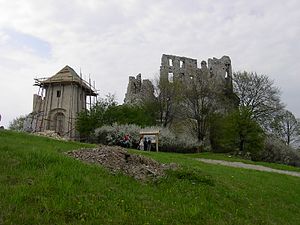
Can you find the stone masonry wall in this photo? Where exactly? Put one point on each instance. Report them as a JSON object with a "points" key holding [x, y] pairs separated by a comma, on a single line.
{"points": [[183, 68], [138, 90]]}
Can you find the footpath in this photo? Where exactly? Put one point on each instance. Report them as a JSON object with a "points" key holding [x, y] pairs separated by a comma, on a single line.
{"points": [[249, 166]]}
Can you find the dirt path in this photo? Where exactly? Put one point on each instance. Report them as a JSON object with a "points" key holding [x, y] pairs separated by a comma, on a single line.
{"points": [[249, 166]]}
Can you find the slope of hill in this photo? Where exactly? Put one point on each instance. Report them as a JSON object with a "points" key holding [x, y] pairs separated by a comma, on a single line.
{"points": [[40, 185]]}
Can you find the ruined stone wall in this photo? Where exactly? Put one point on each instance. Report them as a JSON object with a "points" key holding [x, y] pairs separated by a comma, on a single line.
{"points": [[181, 68], [33, 122], [38, 103], [138, 90], [177, 67], [221, 69]]}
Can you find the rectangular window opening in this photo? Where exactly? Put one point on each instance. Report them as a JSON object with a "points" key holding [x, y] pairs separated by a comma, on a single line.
{"points": [[226, 75], [181, 64], [170, 77], [170, 62], [58, 94]]}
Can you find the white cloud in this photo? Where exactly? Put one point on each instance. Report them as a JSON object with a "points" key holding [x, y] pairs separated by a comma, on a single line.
{"points": [[114, 39]]}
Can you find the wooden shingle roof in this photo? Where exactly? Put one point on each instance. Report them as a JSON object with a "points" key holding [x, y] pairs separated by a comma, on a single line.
{"points": [[67, 76]]}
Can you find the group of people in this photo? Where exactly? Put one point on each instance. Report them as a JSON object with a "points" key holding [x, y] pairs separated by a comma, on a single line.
{"points": [[145, 144]]}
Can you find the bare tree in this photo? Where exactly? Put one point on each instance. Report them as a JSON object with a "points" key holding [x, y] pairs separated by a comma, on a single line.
{"points": [[285, 126], [168, 94], [200, 100], [258, 94]]}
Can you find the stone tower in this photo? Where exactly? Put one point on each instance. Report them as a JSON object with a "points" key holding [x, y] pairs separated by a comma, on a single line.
{"points": [[62, 97]]}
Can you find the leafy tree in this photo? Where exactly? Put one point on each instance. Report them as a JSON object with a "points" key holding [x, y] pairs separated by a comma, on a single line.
{"points": [[128, 114], [285, 126], [258, 94], [18, 123], [107, 112], [239, 132], [90, 119], [168, 98]]}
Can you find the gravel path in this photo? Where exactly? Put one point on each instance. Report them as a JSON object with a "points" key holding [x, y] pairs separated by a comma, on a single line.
{"points": [[249, 166]]}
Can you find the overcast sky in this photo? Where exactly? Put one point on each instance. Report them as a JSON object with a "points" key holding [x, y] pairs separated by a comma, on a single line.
{"points": [[111, 40]]}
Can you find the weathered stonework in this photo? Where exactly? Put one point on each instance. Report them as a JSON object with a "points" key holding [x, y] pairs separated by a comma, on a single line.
{"points": [[176, 67], [138, 90], [185, 69], [221, 69]]}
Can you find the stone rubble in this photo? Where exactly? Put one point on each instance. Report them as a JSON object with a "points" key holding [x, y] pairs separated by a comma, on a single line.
{"points": [[50, 134], [118, 159]]}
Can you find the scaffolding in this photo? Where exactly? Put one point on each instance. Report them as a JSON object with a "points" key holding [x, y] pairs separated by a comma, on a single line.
{"points": [[78, 93]]}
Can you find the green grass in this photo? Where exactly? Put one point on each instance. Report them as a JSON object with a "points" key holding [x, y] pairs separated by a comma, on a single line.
{"points": [[41, 185]]}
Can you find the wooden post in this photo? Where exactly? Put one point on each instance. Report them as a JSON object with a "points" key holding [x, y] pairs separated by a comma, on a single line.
{"points": [[156, 142], [156, 133]]}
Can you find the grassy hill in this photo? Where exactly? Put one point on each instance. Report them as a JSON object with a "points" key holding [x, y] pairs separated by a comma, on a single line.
{"points": [[41, 185]]}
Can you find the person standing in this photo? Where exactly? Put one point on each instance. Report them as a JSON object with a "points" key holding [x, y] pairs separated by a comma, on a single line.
{"points": [[141, 144], [149, 144], [145, 144]]}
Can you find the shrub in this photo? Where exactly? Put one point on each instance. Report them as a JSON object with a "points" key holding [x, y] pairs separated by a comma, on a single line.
{"points": [[183, 143], [18, 123], [277, 151], [168, 142], [112, 135]]}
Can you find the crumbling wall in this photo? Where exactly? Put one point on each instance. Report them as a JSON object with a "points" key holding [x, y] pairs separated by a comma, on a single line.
{"points": [[38, 103], [221, 69], [33, 122], [139, 90], [177, 67], [182, 68]]}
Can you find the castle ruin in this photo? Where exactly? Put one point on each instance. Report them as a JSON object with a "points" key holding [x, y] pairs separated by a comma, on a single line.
{"points": [[176, 67], [138, 90]]}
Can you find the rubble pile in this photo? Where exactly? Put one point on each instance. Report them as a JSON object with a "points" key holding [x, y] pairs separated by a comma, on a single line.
{"points": [[118, 159], [49, 133]]}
